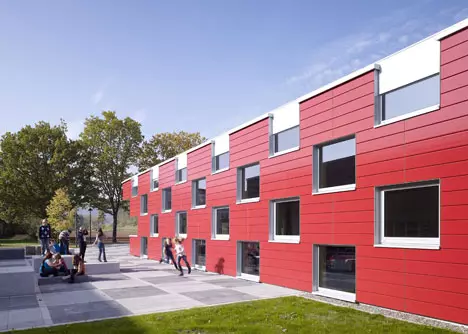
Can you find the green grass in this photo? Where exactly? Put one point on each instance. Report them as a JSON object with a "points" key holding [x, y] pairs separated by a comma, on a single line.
{"points": [[18, 241], [282, 315]]}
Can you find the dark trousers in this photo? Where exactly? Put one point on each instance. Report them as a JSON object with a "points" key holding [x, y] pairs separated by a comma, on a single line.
{"points": [[102, 251], [82, 250], [49, 271], [44, 245], [64, 247], [170, 257], [179, 259], [73, 273]]}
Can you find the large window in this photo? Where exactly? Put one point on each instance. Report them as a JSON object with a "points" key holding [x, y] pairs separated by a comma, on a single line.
{"points": [[284, 220], [167, 199], [154, 225], [248, 260], [284, 141], [199, 193], [335, 166], [181, 224], [408, 215], [144, 204], [335, 271], [248, 183], [220, 229], [135, 186], [414, 97]]}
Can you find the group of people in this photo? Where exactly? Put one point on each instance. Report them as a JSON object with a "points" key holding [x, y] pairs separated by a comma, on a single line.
{"points": [[180, 253], [55, 265]]}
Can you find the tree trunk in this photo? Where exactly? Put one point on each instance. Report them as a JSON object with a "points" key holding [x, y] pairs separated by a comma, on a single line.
{"points": [[114, 228]]}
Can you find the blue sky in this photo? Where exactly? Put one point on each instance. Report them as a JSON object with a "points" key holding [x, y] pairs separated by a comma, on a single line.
{"points": [[191, 65]]}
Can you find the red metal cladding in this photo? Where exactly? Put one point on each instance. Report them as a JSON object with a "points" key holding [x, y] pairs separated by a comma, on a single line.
{"points": [[431, 146]]}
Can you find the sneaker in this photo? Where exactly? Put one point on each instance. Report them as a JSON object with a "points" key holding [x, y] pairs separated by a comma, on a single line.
{"points": [[189, 270], [181, 274]]}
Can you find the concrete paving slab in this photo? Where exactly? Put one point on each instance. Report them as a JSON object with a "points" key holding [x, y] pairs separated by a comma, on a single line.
{"points": [[266, 291], [3, 320], [209, 277], [88, 311], [161, 303], [232, 283], [25, 318], [134, 292], [21, 302], [130, 283], [219, 296], [74, 297], [148, 274], [167, 279], [188, 287], [65, 286]]}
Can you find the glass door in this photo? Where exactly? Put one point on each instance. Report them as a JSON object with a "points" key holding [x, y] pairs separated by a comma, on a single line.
{"points": [[144, 247], [199, 254], [248, 260]]}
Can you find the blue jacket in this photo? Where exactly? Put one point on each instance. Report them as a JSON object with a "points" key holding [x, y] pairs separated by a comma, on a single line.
{"points": [[44, 231]]}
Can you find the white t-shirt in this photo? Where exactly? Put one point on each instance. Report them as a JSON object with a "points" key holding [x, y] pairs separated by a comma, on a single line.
{"points": [[179, 248]]}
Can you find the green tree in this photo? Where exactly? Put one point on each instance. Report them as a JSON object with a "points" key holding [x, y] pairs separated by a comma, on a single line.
{"points": [[100, 218], [163, 146], [34, 163], [60, 211], [112, 146]]}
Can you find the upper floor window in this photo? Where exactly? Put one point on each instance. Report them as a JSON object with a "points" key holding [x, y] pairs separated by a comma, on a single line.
{"points": [[220, 153], [220, 223], [284, 129], [154, 178], [181, 168], [408, 215], [284, 220], [154, 225], [144, 204], [135, 186], [167, 199], [335, 166], [181, 224], [408, 83], [248, 183], [199, 193]]}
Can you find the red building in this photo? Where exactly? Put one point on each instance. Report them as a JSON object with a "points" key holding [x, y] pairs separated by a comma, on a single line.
{"points": [[358, 190]]}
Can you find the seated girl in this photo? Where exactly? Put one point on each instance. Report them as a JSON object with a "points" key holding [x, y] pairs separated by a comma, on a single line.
{"points": [[48, 266], [61, 265], [54, 247], [78, 268]]}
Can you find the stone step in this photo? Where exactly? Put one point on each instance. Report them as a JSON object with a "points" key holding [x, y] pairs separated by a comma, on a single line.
{"points": [[92, 268], [11, 253], [17, 281], [61, 279]]}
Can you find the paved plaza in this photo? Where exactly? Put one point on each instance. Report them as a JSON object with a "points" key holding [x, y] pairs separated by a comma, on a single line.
{"points": [[142, 286]]}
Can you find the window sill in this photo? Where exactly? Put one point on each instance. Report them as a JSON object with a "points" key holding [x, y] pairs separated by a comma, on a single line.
{"points": [[198, 207], [181, 182], [284, 152], [166, 211], [248, 277], [143, 214], [409, 246], [219, 171], [153, 190], [154, 235], [346, 296], [181, 235], [286, 241], [248, 200], [410, 115], [221, 237], [348, 187]]}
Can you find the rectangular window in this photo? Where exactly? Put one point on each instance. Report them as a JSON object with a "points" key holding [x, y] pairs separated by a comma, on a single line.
{"points": [[144, 204], [167, 199], [284, 220], [154, 178], [220, 228], [417, 96], [181, 224], [154, 225], [408, 215], [221, 162], [199, 193], [181, 175], [248, 260], [155, 184], [335, 166], [248, 183], [335, 272], [134, 186], [285, 141], [199, 254]]}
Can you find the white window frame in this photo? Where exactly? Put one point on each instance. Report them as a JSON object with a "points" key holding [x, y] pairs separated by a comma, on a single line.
{"points": [[134, 186], [272, 139], [316, 190], [379, 238], [325, 292], [177, 170], [163, 199], [152, 182], [283, 238], [194, 194], [240, 181], [214, 155], [182, 235], [141, 205], [194, 255], [240, 274], [152, 232], [214, 223]]}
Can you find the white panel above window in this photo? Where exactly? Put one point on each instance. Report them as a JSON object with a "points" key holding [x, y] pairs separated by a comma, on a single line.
{"points": [[285, 117], [221, 144], [155, 173], [409, 65], [182, 161], [135, 181]]}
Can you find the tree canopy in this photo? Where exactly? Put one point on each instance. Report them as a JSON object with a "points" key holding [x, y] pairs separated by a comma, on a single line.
{"points": [[60, 211], [163, 146]]}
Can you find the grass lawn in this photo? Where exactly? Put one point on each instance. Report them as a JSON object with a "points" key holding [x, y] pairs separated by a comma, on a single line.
{"points": [[18, 241], [282, 315]]}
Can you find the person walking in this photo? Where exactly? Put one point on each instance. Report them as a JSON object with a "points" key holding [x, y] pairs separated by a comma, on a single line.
{"points": [[82, 233], [169, 256], [180, 250], [100, 243], [44, 236], [64, 240]]}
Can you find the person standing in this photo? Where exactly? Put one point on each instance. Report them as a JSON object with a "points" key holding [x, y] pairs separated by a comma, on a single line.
{"points": [[64, 240], [180, 250], [100, 243], [44, 236], [82, 233], [169, 256]]}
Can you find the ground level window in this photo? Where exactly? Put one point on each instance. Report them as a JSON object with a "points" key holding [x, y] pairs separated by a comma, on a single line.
{"points": [[199, 254], [248, 260], [335, 271]]}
